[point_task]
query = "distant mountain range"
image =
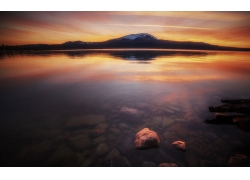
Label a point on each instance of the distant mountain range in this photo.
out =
(141, 40)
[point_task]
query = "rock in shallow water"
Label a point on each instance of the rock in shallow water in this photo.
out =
(167, 122)
(179, 145)
(101, 149)
(119, 161)
(129, 114)
(239, 160)
(146, 139)
(80, 142)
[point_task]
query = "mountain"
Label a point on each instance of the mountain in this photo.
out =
(136, 37)
(141, 40)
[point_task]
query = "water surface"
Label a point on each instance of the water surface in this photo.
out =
(41, 92)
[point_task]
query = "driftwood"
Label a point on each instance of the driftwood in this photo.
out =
(236, 101)
(239, 106)
(223, 119)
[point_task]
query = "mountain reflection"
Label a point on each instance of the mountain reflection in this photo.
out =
(132, 55)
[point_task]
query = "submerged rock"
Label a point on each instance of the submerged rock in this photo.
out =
(62, 155)
(167, 165)
(99, 140)
(112, 154)
(129, 113)
(156, 121)
(167, 122)
(166, 135)
(192, 160)
(119, 161)
(115, 131)
(239, 160)
(80, 142)
(179, 129)
(146, 139)
(88, 152)
(101, 149)
(126, 145)
(124, 126)
(89, 161)
(102, 126)
(96, 132)
(179, 145)
(85, 120)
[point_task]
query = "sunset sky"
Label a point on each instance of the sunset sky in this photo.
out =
(55, 27)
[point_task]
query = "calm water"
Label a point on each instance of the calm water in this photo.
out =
(62, 108)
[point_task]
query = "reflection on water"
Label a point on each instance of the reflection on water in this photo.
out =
(63, 108)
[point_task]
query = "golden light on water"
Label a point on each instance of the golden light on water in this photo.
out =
(102, 67)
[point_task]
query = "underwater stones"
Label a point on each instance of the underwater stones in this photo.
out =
(167, 122)
(195, 133)
(41, 150)
(129, 113)
(166, 135)
(119, 161)
(126, 145)
(111, 137)
(60, 156)
(239, 160)
(88, 152)
(179, 145)
(156, 121)
(88, 161)
(167, 165)
(85, 120)
(146, 139)
(126, 110)
(192, 160)
(80, 142)
(101, 149)
(179, 129)
(112, 154)
(102, 126)
(99, 140)
(96, 132)
(148, 164)
(124, 126)
(115, 131)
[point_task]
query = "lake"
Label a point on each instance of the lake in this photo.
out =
(63, 108)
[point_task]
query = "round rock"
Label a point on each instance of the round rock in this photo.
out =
(146, 139)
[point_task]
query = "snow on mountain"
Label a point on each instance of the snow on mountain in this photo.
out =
(140, 36)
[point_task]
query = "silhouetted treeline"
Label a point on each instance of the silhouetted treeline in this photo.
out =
(157, 44)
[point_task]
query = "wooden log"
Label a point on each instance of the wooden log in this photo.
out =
(223, 119)
(236, 101)
(243, 123)
(226, 117)
(241, 119)
(230, 108)
(219, 122)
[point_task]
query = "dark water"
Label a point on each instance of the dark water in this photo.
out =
(62, 108)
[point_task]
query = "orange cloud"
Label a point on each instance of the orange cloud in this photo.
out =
(221, 28)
